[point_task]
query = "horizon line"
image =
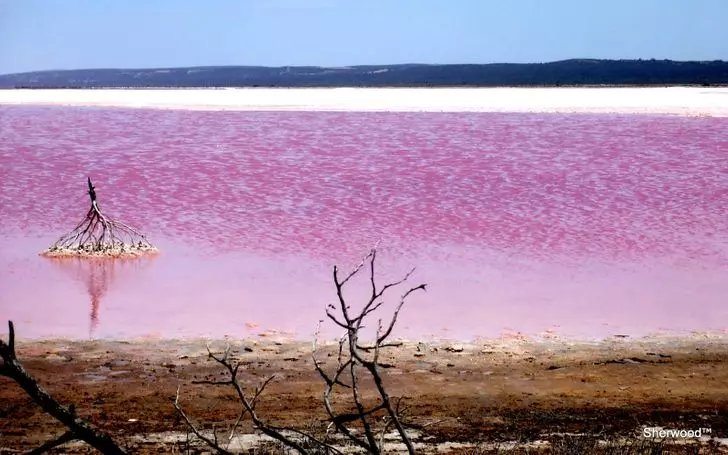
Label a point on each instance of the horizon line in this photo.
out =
(158, 68)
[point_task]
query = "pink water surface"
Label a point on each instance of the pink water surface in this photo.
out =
(585, 225)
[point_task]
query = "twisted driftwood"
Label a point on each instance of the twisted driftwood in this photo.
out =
(100, 236)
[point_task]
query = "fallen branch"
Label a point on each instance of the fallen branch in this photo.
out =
(78, 428)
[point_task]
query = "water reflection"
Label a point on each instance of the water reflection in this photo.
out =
(97, 275)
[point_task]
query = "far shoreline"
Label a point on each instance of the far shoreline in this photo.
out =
(691, 101)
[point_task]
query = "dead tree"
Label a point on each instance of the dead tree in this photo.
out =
(77, 427)
(353, 358)
(99, 235)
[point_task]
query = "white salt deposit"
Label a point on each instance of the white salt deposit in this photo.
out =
(694, 101)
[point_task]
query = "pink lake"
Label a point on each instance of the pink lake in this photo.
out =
(579, 225)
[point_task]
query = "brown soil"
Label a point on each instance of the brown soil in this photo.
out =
(489, 391)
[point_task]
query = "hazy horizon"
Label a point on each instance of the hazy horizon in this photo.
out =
(149, 68)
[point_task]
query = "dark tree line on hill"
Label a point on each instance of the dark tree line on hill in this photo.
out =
(563, 73)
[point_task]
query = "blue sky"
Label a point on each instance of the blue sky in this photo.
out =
(70, 34)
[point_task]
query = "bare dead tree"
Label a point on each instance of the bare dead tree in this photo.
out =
(354, 356)
(353, 359)
(100, 235)
(77, 427)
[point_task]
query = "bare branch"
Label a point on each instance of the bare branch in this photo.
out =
(396, 283)
(369, 308)
(336, 321)
(371, 276)
(342, 302)
(330, 382)
(235, 426)
(361, 412)
(248, 405)
(259, 391)
(346, 418)
(11, 340)
(359, 266)
(79, 428)
(393, 321)
(68, 436)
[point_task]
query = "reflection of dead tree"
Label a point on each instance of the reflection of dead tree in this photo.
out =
(99, 235)
(97, 274)
(77, 428)
(353, 359)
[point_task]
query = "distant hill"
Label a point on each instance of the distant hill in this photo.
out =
(566, 73)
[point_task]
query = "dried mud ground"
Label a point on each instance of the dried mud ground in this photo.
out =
(459, 396)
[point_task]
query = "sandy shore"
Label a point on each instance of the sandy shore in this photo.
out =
(460, 396)
(692, 101)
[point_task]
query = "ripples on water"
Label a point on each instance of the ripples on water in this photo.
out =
(486, 203)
